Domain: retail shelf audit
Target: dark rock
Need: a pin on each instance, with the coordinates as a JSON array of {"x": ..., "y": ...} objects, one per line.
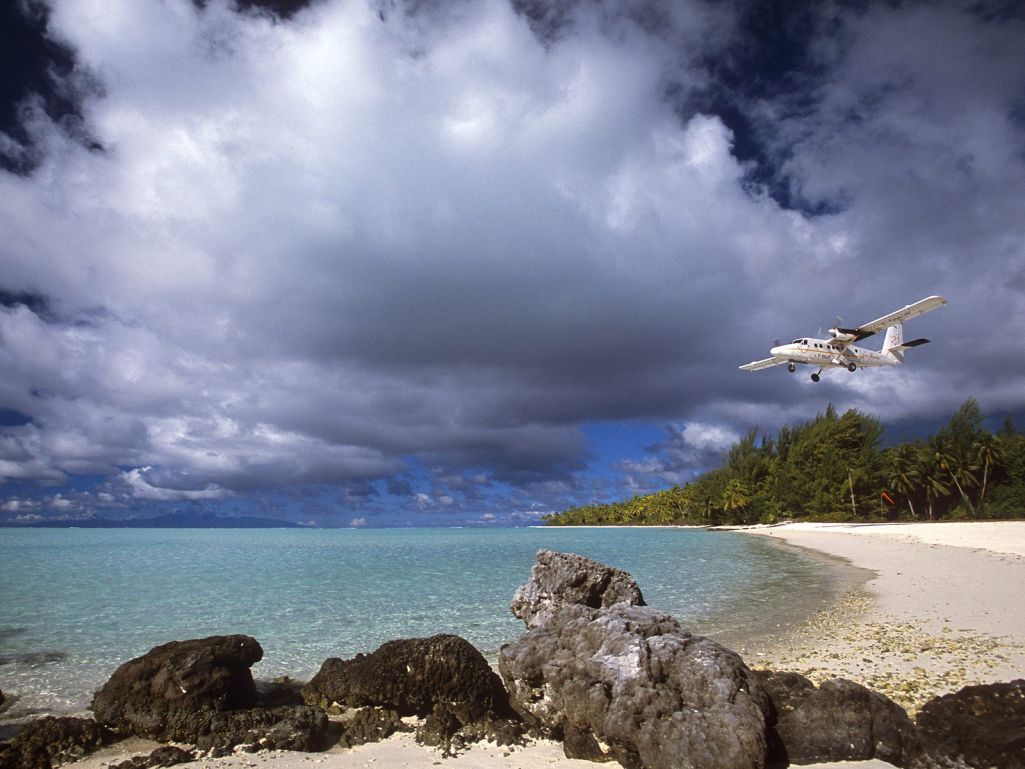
[
  {"x": 369, "y": 725},
  {"x": 838, "y": 721},
  {"x": 166, "y": 755},
  {"x": 280, "y": 691},
  {"x": 583, "y": 745},
  {"x": 635, "y": 680},
  {"x": 171, "y": 693},
  {"x": 411, "y": 676},
  {"x": 443, "y": 729},
  {"x": 439, "y": 728},
  {"x": 563, "y": 579},
  {"x": 286, "y": 728},
  {"x": 51, "y": 741},
  {"x": 978, "y": 726}
]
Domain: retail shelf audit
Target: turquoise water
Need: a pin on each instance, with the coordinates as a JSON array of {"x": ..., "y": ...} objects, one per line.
[{"x": 75, "y": 603}]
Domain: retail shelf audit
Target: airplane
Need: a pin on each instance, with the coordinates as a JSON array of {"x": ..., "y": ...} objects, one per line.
[{"x": 840, "y": 351}]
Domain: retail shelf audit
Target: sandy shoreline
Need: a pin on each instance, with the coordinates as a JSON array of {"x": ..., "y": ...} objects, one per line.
[
  {"x": 940, "y": 611},
  {"x": 936, "y": 608}
]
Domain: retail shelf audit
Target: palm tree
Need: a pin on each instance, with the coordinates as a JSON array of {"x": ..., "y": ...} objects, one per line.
[
  {"x": 931, "y": 474},
  {"x": 959, "y": 467},
  {"x": 903, "y": 474},
  {"x": 988, "y": 452},
  {"x": 735, "y": 496}
]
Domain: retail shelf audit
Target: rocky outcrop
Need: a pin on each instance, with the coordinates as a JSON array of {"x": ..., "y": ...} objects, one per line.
[
  {"x": 412, "y": 676},
  {"x": 564, "y": 579},
  {"x": 51, "y": 741},
  {"x": 369, "y": 725},
  {"x": 978, "y": 726},
  {"x": 284, "y": 728},
  {"x": 838, "y": 721},
  {"x": 628, "y": 682},
  {"x": 171, "y": 693},
  {"x": 166, "y": 755},
  {"x": 201, "y": 692}
]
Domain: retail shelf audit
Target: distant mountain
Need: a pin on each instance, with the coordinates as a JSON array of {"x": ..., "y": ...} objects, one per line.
[{"x": 168, "y": 521}]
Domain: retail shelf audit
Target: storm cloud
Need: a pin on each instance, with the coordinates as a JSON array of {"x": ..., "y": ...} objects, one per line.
[{"x": 418, "y": 248}]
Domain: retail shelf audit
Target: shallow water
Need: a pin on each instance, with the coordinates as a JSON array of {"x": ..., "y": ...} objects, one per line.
[{"x": 75, "y": 603}]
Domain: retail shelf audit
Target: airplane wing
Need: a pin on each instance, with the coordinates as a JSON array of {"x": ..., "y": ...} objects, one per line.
[
  {"x": 897, "y": 316},
  {"x": 758, "y": 365}
]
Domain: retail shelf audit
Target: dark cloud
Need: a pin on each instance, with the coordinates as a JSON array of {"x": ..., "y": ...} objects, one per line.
[{"x": 400, "y": 255}]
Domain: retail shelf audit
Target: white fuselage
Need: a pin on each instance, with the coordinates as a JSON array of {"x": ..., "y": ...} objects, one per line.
[{"x": 826, "y": 353}]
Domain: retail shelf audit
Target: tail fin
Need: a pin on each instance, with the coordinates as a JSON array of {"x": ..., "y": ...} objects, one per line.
[
  {"x": 894, "y": 337},
  {"x": 895, "y": 345}
]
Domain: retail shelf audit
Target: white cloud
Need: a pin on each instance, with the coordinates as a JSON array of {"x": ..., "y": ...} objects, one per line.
[{"x": 311, "y": 251}]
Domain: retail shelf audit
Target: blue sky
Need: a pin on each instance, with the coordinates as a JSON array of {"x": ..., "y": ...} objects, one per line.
[{"x": 375, "y": 262}]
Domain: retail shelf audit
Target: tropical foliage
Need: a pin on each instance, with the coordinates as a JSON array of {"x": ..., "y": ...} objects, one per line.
[{"x": 834, "y": 468}]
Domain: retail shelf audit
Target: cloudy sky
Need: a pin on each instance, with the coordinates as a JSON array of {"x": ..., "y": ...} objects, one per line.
[{"x": 379, "y": 262}]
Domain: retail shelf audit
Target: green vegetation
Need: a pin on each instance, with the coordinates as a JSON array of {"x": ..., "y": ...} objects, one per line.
[{"x": 833, "y": 468}]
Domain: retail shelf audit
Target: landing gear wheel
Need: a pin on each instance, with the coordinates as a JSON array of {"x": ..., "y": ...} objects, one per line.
[
  {"x": 791, "y": 368},
  {"x": 815, "y": 377},
  {"x": 852, "y": 367}
]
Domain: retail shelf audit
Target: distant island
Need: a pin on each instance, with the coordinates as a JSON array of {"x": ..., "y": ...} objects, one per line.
[{"x": 168, "y": 521}]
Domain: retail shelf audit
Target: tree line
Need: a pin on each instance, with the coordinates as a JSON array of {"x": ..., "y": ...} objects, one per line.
[{"x": 833, "y": 468}]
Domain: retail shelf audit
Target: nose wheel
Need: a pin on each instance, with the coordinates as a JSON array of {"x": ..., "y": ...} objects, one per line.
[
  {"x": 815, "y": 376},
  {"x": 791, "y": 368}
]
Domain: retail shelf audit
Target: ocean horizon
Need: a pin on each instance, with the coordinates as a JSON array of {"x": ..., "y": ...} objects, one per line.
[{"x": 76, "y": 603}]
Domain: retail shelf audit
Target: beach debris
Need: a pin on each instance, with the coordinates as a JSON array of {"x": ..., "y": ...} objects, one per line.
[
  {"x": 837, "y": 721},
  {"x": 562, "y": 579},
  {"x": 976, "y": 727},
  {"x": 50, "y": 741},
  {"x": 650, "y": 692}
]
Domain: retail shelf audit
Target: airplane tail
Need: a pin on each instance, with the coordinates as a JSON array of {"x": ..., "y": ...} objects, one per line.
[
  {"x": 895, "y": 345},
  {"x": 894, "y": 337}
]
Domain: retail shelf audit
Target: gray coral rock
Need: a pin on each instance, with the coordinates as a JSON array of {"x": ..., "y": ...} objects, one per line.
[
  {"x": 648, "y": 692},
  {"x": 563, "y": 579}
]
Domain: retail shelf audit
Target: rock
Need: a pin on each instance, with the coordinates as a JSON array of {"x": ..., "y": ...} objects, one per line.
[
  {"x": 443, "y": 729},
  {"x": 281, "y": 691},
  {"x": 637, "y": 682},
  {"x": 166, "y": 755},
  {"x": 285, "y": 728},
  {"x": 369, "y": 725},
  {"x": 171, "y": 693},
  {"x": 978, "y": 726},
  {"x": 562, "y": 579},
  {"x": 838, "y": 721},
  {"x": 411, "y": 676},
  {"x": 583, "y": 745},
  {"x": 51, "y": 741}
]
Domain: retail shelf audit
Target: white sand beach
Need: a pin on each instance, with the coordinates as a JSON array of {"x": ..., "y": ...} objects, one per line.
[{"x": 941, "y": 609}]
